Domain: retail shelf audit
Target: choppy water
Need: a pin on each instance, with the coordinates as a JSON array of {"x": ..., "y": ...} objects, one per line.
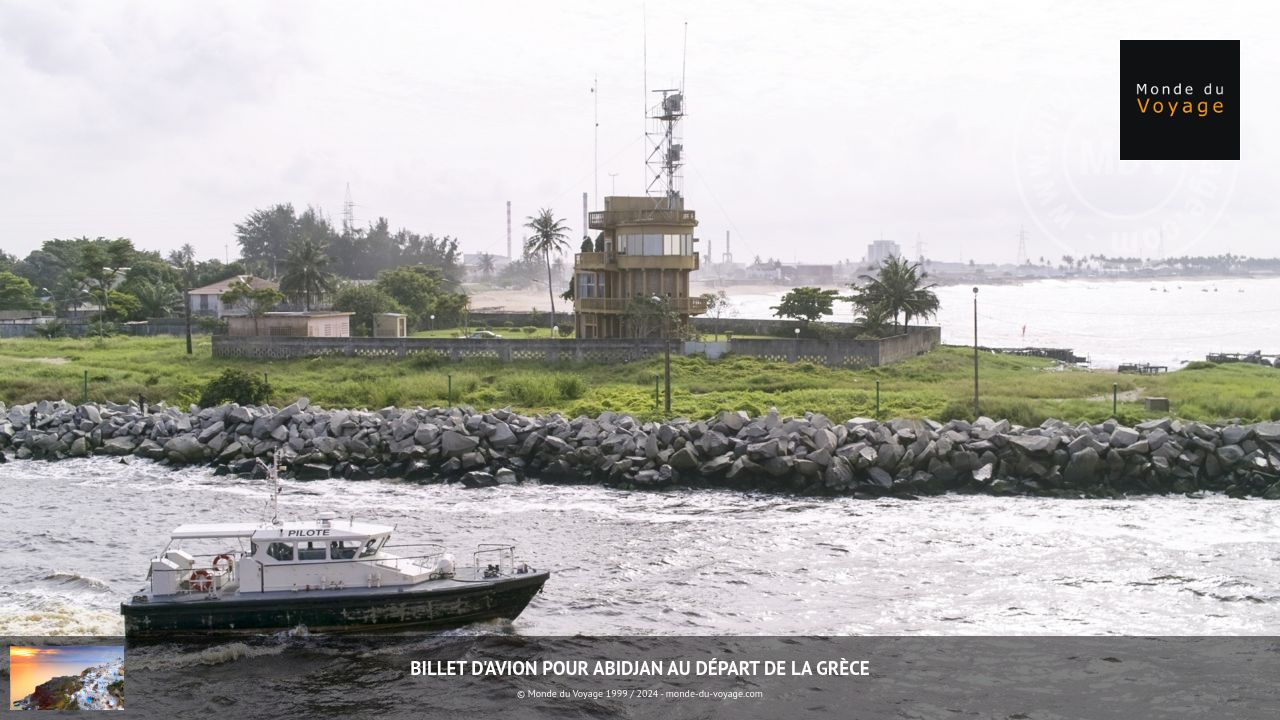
[
  {"x": 1163, "y": 322},
  {"x": 78, "y": 535}
]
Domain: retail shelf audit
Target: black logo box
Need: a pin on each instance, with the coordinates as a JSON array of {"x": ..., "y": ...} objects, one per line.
[{"x": 1192, "y": 65}]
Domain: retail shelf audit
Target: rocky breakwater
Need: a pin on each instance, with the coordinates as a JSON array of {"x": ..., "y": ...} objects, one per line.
[{"x": 809, "y": 454}]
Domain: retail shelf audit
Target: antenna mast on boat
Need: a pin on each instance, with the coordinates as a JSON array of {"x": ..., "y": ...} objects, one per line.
[{"x": 273, "y": 473}]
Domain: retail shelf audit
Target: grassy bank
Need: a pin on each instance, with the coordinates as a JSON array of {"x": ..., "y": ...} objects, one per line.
[{"x": 937, "y": 385}]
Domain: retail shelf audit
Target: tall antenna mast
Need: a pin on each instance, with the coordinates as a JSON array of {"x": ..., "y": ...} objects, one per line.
[
  {"x": 348, "y": 213},
  {"x": 509, "y": 256},
  {"x": 1022, "y": 245},
  {"x": 666, "y": 146},
  {"x": 595, "y": 96}
]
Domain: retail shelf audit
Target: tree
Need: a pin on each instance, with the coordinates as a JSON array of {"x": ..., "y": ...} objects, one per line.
[
  {"x": 183, "y": 256},
  {"x": 306, "y": 273},
  {"x": 717, "y": 306},
  {"x": 264, "y": 236},
  {"x": 486, "y": 264},
  {"x": 7, "y": 261},
  {"x": 420, "y": 291},
  {"x": 156, "y": 300},
  {"x": 806, "y": 304},
  {"x": 549, "y": 236},
  {"x": 122, "y": 306},
  {"x": 897, "y": 289},
  {"x": 649, "y": 315},
  {"x": 16, "y": 293},
  {"x": 365, "y": 301},
  {"x": 100, "y": 265},
  {"x": 255, "y": 302}
]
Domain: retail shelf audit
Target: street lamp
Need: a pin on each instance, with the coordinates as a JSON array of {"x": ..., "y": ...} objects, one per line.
[
  {"x": 796, "y": 347},
  {"x": 976, "y": 413},
  {"x": 433, "y": 323},
  {"x": 666, "y": 353}
]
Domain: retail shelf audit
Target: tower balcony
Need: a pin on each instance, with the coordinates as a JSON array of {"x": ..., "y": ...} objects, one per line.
[
  {"x": 680, "y": 305},
  {"x": 615, "y": 261}
]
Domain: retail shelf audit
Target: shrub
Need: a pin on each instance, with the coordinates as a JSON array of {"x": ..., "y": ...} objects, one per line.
[
  {"x": 236, "y": 386},
  {"x": 1200, "y": 365},
  {"x": 211, "y": 325},
  {"x": 570, "y": 387},
  {"x": 50, "y": 330},
  {"x": 528, "y": 330},
  {"x": 101, "y": 328}
]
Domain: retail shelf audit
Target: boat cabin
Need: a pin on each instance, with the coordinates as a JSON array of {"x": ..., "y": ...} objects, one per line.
[{"x": 322, "y": 554}]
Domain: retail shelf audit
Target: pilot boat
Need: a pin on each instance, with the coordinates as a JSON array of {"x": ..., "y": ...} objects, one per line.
[{"x": 328, "y": 574}]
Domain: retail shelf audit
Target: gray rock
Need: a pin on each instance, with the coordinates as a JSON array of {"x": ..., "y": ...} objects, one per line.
[
  {"x": 120, "y": 445},
  {"x": 1124, "y": 437},
  {"x": 454, "y": 443},
  {"x": 184, "y": 448}
]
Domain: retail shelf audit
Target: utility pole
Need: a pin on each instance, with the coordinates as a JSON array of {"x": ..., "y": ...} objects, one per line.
[
  {"x": 187, "y": 308},
  {"x": 976, "y": 412},
  {"x": 509, "y": 256},
  {"x": 664, "y": 304}
]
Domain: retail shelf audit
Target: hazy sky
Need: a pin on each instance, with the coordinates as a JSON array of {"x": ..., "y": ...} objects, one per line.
[{"x": 813, "y": 127}]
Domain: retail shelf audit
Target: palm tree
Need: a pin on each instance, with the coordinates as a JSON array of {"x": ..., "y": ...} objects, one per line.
[
  {"x": 896, "y": 289},
  {"x": 486, "y": 264},
  {"x": 159, "y": 300},
  {"x": 549, "y": 235},
  {"x": 182, "y": 257},
  {"x": 306, "y": 273}
]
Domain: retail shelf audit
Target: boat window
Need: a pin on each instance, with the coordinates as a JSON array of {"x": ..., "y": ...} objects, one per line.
[
  {"x": 371, "y": 547},
  {"x": 310, "y": 552},
  {"x": 280, "y": 551},
  {"x": 343, "y": 549}
]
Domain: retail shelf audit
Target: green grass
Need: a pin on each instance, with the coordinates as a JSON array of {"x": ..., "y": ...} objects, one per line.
[{"x": 937, "y": 385}]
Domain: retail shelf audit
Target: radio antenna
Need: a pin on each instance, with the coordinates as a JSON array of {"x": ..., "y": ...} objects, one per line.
[{"x": 684, "y": 55}]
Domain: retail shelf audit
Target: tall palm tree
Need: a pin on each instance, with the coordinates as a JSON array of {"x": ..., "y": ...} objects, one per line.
[
  {"x": 306, "y": 273},
  {"x": 486, "y": 264},
  {"x": 549, "y": 235},
  {"x": 896, "y": 289}
]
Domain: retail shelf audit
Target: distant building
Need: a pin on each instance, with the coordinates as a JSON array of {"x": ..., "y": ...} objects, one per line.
[
  {"x": 646, "y": 251},
  {"x": 207, "y": 300},
  {"x": 880, "y": 250},
  {"x": 292, "y": 324},
  {"x": 769, "y": 270},
  {"x": 809, "y": 274}
]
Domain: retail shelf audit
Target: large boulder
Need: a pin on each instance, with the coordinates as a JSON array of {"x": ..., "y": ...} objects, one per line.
[
  {"x": 184, "y": 449},
  {"x": 1082, "y": 467},
  {"x": 455, "y": 444}
]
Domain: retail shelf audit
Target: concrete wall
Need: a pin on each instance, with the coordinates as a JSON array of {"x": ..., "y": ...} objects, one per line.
[{"x": 836, "y": 353}]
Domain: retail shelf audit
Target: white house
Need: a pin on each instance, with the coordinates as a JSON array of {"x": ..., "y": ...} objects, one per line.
[{"x": 207, "y": 300}]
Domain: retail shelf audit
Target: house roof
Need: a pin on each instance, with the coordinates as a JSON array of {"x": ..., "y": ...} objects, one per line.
[{"x": 222, "y": 286}]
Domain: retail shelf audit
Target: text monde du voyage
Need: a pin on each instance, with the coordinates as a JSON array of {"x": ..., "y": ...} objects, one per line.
[{"x": 1180, "y": 100}]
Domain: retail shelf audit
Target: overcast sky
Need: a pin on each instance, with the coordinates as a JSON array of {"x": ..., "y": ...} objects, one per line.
[{"x": 813, "y": 127}]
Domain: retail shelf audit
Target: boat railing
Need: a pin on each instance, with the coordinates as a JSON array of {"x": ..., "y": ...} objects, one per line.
[
  {"x": 402, "y": 563},
  {"x": 498, "y": 552}
]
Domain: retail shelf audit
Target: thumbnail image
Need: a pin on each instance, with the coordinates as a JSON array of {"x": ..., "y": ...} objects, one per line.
[{"x": 70, "y": 677}]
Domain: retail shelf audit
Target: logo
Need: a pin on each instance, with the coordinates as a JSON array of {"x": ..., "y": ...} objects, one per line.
[{"x": 1179, "y": 99}]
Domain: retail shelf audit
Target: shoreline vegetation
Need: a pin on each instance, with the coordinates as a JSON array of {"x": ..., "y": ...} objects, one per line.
[
  {"x": 808, "y": 455},
  {"x": 939, "y": 384}
]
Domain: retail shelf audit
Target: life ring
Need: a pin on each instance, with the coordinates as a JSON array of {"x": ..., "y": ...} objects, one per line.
[
  {"x": 201, "y": 581},
  {"x": 230, "y": 562}
]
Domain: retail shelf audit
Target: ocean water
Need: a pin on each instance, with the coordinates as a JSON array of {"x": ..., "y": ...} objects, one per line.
[
  {"x": 1162, "y": 322},
  {"x": 685, "y": 562}
]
